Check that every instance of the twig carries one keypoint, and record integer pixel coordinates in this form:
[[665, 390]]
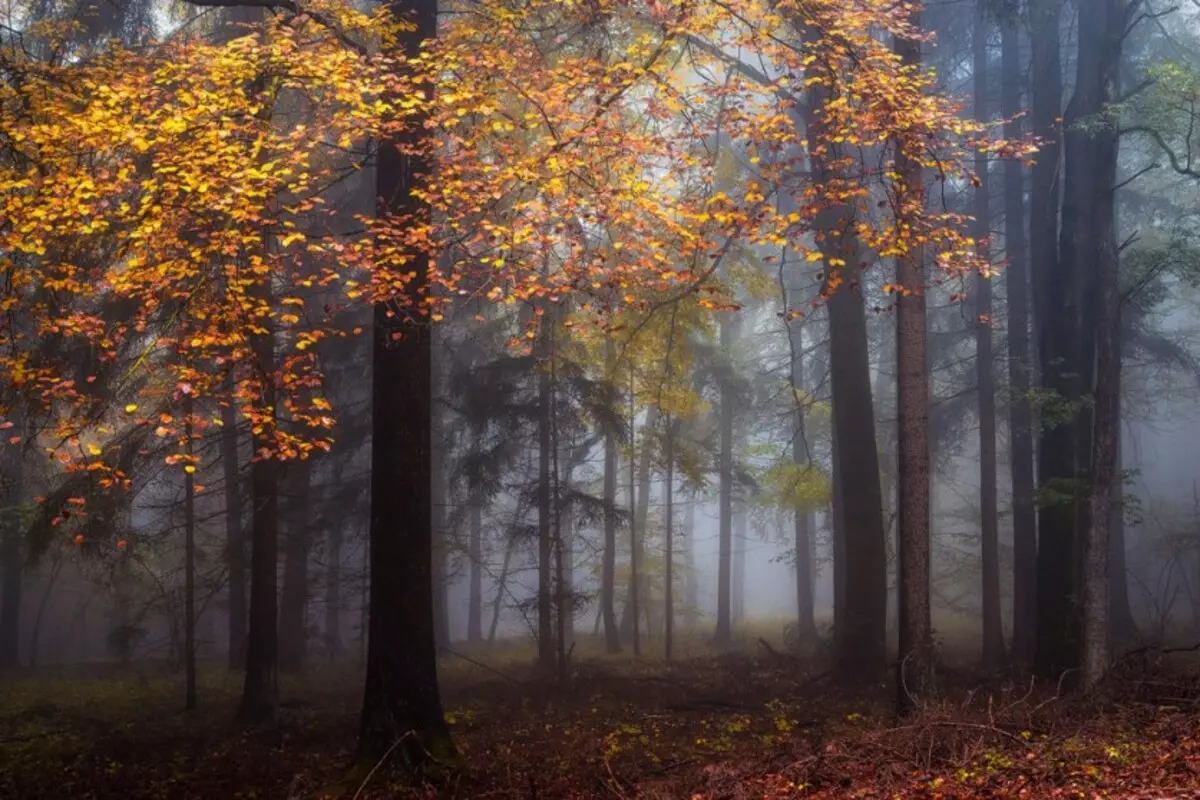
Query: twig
[[379, 763], [479, 664]]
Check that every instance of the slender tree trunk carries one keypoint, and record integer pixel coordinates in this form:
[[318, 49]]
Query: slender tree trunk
[[501, 587], [402, 709], [1020, 376], [669, 554], [475, 557], [632, 606], [189, 568], [11, 557], [260, 690], [912, 429], [806, 625], [545, 599], [612, 639], [235, 545], [725, 503], [860, 615], [691, 585], [641, 515], [1110, 24], [993, 628], [35, 635], [293, 633]]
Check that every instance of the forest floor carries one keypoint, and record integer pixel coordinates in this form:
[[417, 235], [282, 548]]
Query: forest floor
[[754, 723]]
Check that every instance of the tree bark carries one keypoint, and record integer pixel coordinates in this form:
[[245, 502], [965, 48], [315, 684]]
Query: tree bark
[[293, 634], [993, 629], [912, 429], [612, 638], [806, 625], [545, 598], [725, 499], [260, 690], [1106, 28], [333, 593], [1057, 573], [189, 566], [402, 714], [235, 545], [12, 564], [1020, 372], [861, 615], [669, 555]]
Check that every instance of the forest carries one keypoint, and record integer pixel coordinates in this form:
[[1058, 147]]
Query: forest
[[599, 399]]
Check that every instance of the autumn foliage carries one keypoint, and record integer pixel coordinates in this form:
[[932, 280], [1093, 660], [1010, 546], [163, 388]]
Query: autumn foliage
[[169, 211]]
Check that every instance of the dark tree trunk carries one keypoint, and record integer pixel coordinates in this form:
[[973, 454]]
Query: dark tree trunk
[[235, 545], [1058, 328], [1122, 629], [402, 714], [293, 636], [545, 598], [1020, 374], [501, 588], [11, 556], [725, 502], [912, 433], [860, 620], [993, 629], [189, 567], [612, 639], [260, 690], [475, 579], [640, 508]]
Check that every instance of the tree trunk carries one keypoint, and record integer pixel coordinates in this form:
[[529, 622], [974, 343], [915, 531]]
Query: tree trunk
[[1122, 629], [1105, 29], [612, 639], [725, 502], [669, 555], [475, 579], [545, 598], [501, 587], [189, 567], [1020, 376], [293, 632], [1057, 573], [691, 585], [11, 557], [993, 628], [738, 599], [806, 625], [860, 616], [235, 545], [912, 430], [402, 709], [260, 690]]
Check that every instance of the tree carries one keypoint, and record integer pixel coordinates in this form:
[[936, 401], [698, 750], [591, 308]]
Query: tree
[[1020, 373], [402, 711], [915, 670], [993, 630]]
